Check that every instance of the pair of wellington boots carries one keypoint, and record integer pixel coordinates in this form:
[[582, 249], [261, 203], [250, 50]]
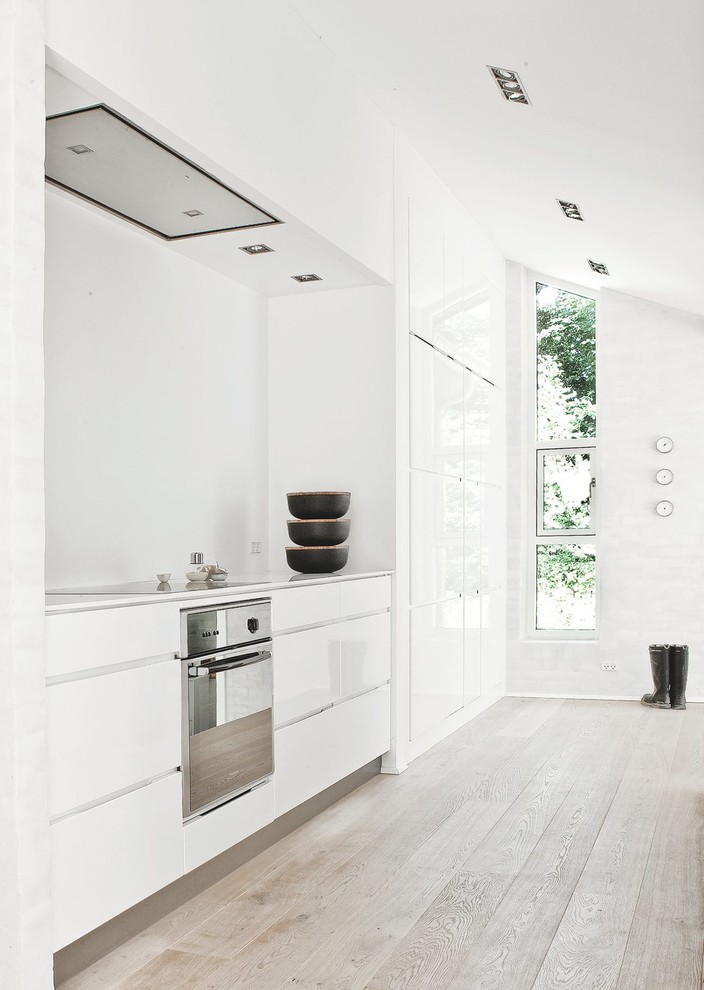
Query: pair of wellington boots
[[669, 666]]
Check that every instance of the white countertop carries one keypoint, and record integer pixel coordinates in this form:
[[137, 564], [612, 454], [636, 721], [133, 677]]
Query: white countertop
[[149, 592]]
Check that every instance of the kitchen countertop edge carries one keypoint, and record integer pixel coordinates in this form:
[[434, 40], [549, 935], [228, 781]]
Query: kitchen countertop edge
[[56, 602]]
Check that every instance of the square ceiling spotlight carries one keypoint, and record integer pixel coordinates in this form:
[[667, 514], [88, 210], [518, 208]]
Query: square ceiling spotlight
[[571, 210], [133, 175], [306, 278], [257, 249], [510, 85], [598, 266]]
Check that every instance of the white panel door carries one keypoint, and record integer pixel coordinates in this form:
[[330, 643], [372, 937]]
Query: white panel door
[[364, 729], [437, 665], [306, 672], [448, 333], [472, 538], [109, 858], [472, 648], [108, 732], [426, 271], [476, 315], [493, 537], [437, 538], [475, 411], [365, 652], [493, 640], [494, 437], [307, 759], [436, 411]]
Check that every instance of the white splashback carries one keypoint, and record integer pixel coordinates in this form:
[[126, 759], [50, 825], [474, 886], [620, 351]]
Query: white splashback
[[155, 406]]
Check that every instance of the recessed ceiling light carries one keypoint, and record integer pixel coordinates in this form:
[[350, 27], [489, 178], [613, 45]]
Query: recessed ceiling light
[[598, 266], [571, 210], [192, 213], [306, 278], [509, 84], [79, 149], [257, 249]]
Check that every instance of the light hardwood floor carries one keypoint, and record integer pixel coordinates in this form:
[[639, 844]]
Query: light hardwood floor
[[548, 844]]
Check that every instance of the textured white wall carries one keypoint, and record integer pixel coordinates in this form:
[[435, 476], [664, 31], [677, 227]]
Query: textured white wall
[[25, 911], [651, 571], [156, 406], [331, 413]]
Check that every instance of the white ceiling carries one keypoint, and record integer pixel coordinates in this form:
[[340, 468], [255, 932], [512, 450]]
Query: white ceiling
[[616, 124]]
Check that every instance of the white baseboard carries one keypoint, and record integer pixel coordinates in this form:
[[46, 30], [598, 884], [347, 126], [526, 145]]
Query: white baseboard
[[587, 697], [399, 768]]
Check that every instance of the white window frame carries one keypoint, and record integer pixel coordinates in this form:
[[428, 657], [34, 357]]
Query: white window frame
[[533, 447]]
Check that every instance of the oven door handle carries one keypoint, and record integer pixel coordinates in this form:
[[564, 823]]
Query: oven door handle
[[216, 666]]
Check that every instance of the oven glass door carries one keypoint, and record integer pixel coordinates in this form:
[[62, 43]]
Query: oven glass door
[[230, 727]]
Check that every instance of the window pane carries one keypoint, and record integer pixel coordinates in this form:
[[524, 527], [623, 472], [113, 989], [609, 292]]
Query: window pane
[[566, 386], [566, 491], [566, 586]]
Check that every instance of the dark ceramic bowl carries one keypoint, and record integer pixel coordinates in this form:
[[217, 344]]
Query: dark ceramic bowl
[[316, 560], [318, 505], [318, 532]]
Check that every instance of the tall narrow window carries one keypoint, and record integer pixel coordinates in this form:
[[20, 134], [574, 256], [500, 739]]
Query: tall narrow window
[[564, 545]]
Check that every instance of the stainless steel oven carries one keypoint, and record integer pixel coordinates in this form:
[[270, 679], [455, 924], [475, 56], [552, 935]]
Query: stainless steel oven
[[227, 682]]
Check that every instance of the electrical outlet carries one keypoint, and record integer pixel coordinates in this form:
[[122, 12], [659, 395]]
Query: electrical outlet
[[255, 546], [609, 666]]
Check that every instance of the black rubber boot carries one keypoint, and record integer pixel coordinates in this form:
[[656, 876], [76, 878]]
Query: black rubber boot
[[679, 664], [660, 667]]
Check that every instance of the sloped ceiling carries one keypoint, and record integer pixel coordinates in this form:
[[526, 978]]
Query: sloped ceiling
[[615, 124]]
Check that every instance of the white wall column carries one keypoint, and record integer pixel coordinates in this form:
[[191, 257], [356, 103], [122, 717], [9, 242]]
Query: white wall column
[[25, 953]]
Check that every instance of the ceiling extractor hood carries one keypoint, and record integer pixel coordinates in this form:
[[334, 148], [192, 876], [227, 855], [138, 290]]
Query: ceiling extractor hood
[[107, 160]]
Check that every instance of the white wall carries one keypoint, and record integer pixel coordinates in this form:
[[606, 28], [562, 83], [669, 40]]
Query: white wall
[[257, 94], [25, 910], [155, 406], [331, 413], [650, 369]]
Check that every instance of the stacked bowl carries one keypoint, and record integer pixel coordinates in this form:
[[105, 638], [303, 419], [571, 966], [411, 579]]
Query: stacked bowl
[[319, 530]]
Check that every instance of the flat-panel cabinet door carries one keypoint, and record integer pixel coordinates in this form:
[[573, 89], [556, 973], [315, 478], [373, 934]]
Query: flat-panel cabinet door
[[475, 413], [494, 437], [493, 537], [306, 672], [307, 759], [476, 315], [449, 329], [109, 732], [365, 650], [292, 607], [364, 725], [472, 648], [425, 268], [472, 538], [493, 640], [108, 858], [437, 665], [436, 411], [437, 537]]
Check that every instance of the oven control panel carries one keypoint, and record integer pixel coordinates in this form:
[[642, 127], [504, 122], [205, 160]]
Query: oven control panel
[[210, 629]]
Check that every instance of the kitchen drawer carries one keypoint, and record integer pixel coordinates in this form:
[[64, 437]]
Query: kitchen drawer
[[227, 825], [307, 759], [365, 653], [364, 729], [109, 858], [308, 606], [306, 672], [111, 731], [365, 595], [78, 641]]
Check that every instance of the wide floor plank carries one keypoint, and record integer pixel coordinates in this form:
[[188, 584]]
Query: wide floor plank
[[548, 844]]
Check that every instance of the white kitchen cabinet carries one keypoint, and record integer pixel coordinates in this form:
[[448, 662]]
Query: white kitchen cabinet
[[306, 672], [114, 855], [472, 647], [494, 436], [111, 731], [306, 759], [493, 537], [365, 653], [227, 825], [366, 595], [78, 641], [474, 415], [308, 606], [436, 413], [437, 664], [493, 640], [363, 729], [437, 539]]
